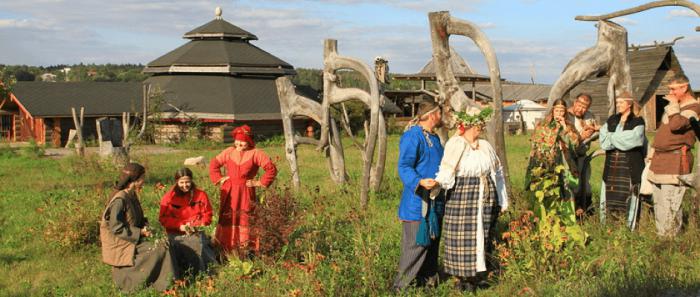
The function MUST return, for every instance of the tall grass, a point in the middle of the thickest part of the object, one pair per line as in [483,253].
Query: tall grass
[334,248]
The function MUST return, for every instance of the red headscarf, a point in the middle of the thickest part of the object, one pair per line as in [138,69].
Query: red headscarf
[243,133]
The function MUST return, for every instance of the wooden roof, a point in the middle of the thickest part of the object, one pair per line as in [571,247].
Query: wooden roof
[220,47]
[512,91]
[55,99]
[219,96]
[218,28]
[460,67]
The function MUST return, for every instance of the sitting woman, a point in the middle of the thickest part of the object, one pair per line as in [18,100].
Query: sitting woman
[238,199]
[123,231]
[183,211]
[471,169]
[624,142]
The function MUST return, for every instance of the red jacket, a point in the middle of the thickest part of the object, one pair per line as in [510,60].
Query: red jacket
[176,210]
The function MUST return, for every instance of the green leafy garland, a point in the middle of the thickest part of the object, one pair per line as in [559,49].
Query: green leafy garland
[477,119]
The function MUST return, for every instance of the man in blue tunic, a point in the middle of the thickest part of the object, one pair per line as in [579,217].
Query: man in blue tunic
[420,152]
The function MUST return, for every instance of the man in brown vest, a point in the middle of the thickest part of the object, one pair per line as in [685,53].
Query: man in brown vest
[671,155]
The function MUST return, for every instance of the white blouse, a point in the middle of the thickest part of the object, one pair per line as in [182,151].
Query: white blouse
[482,161]
[460,159]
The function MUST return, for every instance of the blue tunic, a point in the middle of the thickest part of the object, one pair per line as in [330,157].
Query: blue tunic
[417,160]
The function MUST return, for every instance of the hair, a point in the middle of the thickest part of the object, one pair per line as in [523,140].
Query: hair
[425,106]
[586,97]
[550,114]
[680,78]
[129,174]
[182,172]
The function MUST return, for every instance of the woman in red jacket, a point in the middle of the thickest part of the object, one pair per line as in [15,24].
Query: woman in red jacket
[183,211]
[238,200]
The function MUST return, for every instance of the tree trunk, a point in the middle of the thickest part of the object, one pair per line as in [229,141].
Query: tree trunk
[640,8]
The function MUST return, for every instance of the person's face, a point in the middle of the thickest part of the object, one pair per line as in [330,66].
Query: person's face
[185,184]
[559,111]
[623,106]
[580,107]
[138,184]
[436,118]
[678,91]
[240,145]
[476,130]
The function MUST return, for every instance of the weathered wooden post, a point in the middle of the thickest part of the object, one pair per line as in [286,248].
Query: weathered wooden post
[333,94]
[78,122]
[292,104]
[452,96]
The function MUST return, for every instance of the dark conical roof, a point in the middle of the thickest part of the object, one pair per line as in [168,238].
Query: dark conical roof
[218,47]
[218,28]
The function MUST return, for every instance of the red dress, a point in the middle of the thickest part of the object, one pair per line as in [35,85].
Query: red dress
[176,210]
[237,199]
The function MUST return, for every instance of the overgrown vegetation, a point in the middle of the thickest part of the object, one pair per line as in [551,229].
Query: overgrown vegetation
[319,242]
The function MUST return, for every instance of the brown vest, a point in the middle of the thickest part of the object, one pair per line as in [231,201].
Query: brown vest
[116,251]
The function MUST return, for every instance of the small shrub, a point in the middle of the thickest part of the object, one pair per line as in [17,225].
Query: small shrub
[274,219]
[33,150]
[73,217]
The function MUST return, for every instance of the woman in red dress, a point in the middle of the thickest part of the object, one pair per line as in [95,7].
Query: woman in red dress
[238,200]
[183,211]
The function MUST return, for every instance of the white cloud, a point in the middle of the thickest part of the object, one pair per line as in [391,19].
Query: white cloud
[625,21]
[682,13]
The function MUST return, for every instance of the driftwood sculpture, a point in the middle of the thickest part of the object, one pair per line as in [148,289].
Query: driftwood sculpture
[608,56]
[333,94]
[293,105]
[452,97]
[640,8]
[115,138]
[78,122]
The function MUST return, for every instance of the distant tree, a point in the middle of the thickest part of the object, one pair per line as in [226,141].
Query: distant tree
[24,75]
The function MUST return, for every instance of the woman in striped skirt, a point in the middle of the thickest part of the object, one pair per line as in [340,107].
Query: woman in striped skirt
[472,173]
[624,142]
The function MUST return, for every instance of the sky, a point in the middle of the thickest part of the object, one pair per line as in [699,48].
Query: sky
[533,39]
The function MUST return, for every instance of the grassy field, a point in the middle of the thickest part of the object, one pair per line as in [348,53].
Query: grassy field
[49,243]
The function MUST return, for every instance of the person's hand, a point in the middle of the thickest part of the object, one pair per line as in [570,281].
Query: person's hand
[671,98]
[222,181]
[251,183]
[187,228]
[587,133]
[428,183]
[145,232]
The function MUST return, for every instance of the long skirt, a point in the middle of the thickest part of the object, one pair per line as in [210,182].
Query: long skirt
[234,231]
[460,224]
[193,252]
[153,266]
[618,185]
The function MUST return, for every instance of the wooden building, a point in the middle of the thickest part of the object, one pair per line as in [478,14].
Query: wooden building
[651,67]
[219,79]
[408,100]
[41,111]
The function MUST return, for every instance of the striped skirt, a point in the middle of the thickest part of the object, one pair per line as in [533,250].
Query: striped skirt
[460,224]
[618,185]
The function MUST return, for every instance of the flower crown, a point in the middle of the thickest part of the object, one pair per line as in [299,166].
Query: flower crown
[474,119]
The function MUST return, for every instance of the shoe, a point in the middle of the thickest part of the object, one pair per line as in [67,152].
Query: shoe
[466,286]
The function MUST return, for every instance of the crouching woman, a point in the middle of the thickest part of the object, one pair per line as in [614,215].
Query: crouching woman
[123,232]
[184,210]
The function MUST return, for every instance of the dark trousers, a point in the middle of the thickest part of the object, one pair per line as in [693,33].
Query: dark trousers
[417,262]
